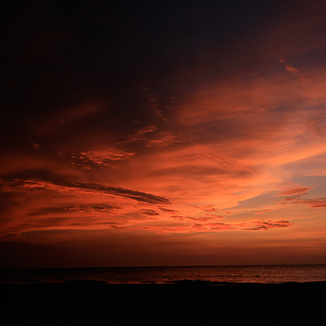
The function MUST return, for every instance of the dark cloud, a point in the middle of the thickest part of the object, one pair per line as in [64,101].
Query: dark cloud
[295,191]
[294,196]
[266,225]
[74,208]
[314,202]
[192,219]
[149,212]
[12,183]
[168,210]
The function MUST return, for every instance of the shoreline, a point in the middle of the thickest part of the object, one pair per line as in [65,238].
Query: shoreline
[185,303]
[186,282]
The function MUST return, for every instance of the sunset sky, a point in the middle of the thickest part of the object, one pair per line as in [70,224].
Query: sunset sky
[163,133]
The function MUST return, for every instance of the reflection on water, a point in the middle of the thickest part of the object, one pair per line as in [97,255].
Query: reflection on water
[139,275]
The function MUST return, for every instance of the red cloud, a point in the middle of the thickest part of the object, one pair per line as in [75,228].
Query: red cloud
[100,157]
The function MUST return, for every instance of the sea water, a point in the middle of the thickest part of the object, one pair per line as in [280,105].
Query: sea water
[268,274]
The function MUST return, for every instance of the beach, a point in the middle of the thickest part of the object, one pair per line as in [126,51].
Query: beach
[182,303]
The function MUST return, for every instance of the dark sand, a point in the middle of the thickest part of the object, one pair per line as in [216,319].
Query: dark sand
[185,303]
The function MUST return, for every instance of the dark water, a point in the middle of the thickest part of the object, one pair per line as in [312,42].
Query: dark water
[272,274]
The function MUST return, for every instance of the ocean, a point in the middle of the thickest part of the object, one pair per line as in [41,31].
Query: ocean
[262,274]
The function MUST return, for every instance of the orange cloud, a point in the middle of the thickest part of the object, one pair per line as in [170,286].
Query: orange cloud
[264,211]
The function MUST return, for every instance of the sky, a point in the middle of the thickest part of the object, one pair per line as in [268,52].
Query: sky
[141,133]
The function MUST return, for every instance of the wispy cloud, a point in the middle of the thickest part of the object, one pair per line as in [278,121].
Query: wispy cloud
[34,144]
[104,208]
[264,211]
[192,219]
[314,202]
[13,183]
[163,139]
[56,204]
[156,102]
[140,134]
[100,157]
[151,137]
[295,191]
[266,225]
[294,196]
[200,227]
[294,71]
[90,160]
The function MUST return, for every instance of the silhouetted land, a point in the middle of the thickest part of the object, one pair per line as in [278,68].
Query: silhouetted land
[183,303]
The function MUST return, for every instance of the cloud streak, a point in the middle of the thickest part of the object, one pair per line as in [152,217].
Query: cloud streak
[294,71]
[295,191]
[219,227]
[12,183]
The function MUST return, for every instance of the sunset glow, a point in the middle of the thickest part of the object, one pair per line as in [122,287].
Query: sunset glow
[164,135]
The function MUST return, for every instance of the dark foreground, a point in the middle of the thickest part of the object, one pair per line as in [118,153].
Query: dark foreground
[186,303]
